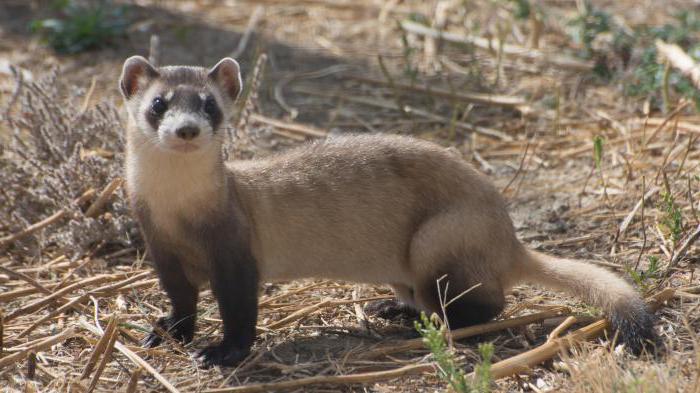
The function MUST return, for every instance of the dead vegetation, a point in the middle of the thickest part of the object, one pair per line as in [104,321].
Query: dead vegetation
[589,131]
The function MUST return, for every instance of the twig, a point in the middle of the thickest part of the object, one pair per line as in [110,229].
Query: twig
[26,278]
[459,124]
[663,123]
[294,127]
[104,196]
[679,253]
[112,338]
[252,23]
[477,98]
[520,169]
[4,241]
[134,381]
[469,331]
[2,332]
[136,359]
[154,50]
[31,365]
[298,314]
[628,219]
[369,377]
[40,303]
[36,347]
[680,60]
[512,50]
[88,97]
[570,320]
[100,347]
[525,361]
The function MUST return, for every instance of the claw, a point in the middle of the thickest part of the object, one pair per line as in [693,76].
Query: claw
[178,328]
[221,355]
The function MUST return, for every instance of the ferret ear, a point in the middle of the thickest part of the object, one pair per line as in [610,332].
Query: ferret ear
[227,74]
[137,71]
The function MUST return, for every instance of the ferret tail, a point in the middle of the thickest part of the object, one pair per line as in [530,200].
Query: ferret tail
[627,312]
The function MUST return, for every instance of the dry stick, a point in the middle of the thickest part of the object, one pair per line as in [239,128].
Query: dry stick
[38,304]
[519,171]
[17,293]
[2,331]
[628,219]
[682,125]
[105,358]
[459,124]
[508,49]
[136,359]
[291,292]
[154,50]
[4,241]
[680,60]
[88,96]
[31,365]
[252,24]
[70,304]
[36,347]
[298,314]
[102,199]
[682,250]
[526,360]
[26,278]
[663,123]
[477,98]
[469,331]
[369,377]
[289,126]
[100,347]
[570,320]
[134,381]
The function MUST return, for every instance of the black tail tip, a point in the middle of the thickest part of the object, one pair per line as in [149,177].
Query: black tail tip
[633,326]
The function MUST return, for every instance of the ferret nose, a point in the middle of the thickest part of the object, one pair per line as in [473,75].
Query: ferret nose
[187,132]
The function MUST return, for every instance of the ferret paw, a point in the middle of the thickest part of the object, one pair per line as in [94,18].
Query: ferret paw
[392,310]
[178,328]
[221,355]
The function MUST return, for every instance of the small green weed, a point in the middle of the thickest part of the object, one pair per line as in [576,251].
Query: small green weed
[448,369]
[645,278]
[81,26]
[598,150]
[647,79]
[672,221]
[588,25]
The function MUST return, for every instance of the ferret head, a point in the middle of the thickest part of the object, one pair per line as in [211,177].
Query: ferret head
[179,109]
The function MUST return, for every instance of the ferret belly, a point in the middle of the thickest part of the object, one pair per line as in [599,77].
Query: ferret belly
[313,247]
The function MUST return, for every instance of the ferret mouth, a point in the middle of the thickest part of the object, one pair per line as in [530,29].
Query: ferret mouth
[182,147]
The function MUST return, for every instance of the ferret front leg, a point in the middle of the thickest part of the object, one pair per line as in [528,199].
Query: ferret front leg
[234,282]
[180,323]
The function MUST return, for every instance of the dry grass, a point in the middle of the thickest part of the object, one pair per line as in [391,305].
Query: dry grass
[76,293]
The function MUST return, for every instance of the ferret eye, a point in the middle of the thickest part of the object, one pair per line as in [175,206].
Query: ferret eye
[210,107]
[158,106]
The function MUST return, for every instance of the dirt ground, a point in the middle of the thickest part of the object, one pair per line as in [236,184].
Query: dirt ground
[525,113]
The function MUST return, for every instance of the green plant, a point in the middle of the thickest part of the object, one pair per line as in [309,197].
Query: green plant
[598,150]
[587,25]
[650,75]
[644,278]
[448,369]
[672,221]
[410,70]
[81,26]
[598,159]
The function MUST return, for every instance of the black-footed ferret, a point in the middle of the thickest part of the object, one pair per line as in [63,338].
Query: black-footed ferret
[370,208]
